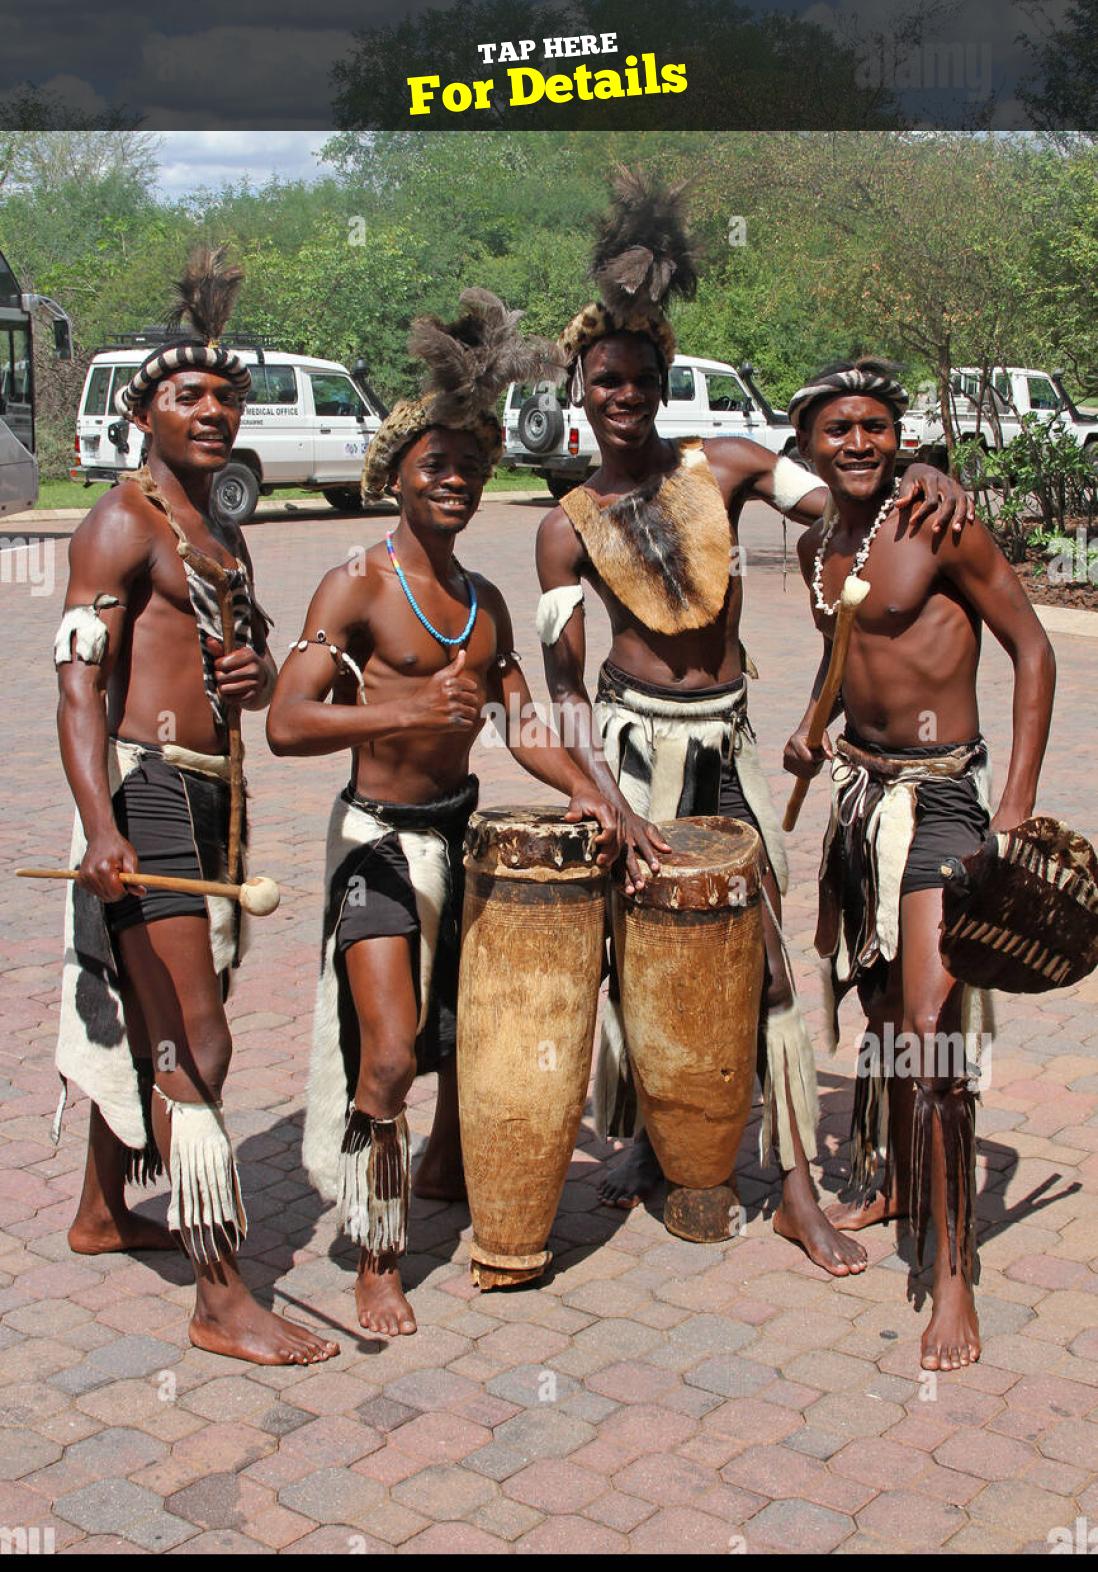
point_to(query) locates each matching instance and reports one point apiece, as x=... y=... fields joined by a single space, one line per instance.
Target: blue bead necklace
x=427 y=623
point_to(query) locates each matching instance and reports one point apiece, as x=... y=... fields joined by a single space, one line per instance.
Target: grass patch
x=74 y=494
x=516 y=480
x=69 y=494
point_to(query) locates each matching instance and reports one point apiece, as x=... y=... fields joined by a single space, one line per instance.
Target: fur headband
x=869 y=377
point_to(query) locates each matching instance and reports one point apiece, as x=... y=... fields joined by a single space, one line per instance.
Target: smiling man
x=145 y=690
x=653 y=531
x=409 y=648
x=910 y=781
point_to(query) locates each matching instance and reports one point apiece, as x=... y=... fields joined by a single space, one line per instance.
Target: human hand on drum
x=801 y=760
x=587 y=803
x=643 y=846
x=449 y=701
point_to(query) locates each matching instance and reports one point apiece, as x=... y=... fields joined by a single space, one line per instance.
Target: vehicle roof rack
x=149 y=337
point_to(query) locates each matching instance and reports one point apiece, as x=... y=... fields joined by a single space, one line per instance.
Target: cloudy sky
x=190 y=160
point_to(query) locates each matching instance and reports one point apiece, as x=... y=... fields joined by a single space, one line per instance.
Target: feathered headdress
x=205 y=295
x=467 y=364
x=642 y=257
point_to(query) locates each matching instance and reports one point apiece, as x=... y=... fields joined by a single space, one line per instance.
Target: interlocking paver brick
x=985 y=1454
x=445 y=1492
x=460 y=1539
x=506 y=1519
x=529 y=1385
x=689 y=1531
x=23 y=1452
x=334 y=1495
x=1018 y=1510
x=440 y=1437
x=730 y=1376
x=780 y=1473
x=555 y=1485
x=333 y=1439
x=1071 y=1441
x=752 y=1421
x=793 y=1525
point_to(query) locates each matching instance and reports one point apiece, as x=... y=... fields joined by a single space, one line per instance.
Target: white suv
x=546 y=435
x=307 y=425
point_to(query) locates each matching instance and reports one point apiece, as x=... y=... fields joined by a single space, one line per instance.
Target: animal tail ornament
x=372 y=1207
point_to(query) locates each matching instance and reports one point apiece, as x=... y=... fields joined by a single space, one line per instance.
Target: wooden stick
x=258 y=896
x=854 y=592
x=219 y=578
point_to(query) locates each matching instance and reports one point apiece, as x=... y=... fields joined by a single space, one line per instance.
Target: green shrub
x=1042 y=476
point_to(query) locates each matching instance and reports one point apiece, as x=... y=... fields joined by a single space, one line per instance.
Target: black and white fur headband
x=856 y=380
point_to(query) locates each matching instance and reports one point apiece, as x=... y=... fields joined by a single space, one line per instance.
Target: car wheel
x=540 y=423
x=235 y=493
x=345 y=499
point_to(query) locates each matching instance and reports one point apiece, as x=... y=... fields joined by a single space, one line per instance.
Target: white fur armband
x=791 y=483
x=554 y=609
x=83 y=634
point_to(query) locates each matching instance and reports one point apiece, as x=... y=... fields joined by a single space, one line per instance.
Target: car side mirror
x=748 y=406
x=62 y=339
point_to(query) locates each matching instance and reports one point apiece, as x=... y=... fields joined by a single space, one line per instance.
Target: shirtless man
x=145 y=690
x=909 y=789
x=652 y=531
x=410 y=648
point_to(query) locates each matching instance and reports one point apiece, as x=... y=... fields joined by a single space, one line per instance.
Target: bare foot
x=800 y=1220
x=380 y=1302
x=244 y=1330
x=129 y=1231
x=952 y=1337
x=634 y=1175
x=850 y=1216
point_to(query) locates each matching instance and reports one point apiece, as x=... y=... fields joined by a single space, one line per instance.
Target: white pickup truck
x=549 y=437
x=995 y=418
x=307 y=424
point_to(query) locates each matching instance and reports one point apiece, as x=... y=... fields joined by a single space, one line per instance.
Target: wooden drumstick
x=854 y=592
x=259 y=897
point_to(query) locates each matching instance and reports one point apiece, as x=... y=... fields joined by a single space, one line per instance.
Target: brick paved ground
x=648 y=1395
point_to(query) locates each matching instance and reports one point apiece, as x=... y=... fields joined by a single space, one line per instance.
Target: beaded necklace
x=860 y=558
x=427 y=623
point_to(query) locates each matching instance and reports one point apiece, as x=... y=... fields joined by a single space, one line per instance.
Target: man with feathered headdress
x=149 y=728
x=409 y=647
x=654 y=533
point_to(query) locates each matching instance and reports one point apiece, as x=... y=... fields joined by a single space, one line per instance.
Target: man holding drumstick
x=653 y=532
x=409 y=647
x=147 y=694
x=910 y=781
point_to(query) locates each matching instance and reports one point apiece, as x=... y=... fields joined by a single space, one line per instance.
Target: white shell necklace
x=832 y=518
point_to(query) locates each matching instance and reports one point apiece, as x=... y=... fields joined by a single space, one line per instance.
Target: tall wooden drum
x=691 y=958
x=531 y=956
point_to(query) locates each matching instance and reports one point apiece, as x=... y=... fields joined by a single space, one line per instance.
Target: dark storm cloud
x=270 y=64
